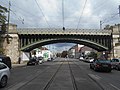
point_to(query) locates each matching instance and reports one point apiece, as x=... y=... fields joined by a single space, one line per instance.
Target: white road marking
x=18 y=86
x=95 y=76
x=114 y=86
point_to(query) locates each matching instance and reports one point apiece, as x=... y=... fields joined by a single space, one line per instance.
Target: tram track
x=46 y=87
x=29 y=79
x=54 y=77
x=102 y=88
x=73 y=78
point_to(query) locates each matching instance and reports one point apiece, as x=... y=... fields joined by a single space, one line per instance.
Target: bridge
x=26 y=39
x=31 y=38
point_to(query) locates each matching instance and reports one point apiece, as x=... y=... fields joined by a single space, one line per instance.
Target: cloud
x=60 y=46
x=51 y=13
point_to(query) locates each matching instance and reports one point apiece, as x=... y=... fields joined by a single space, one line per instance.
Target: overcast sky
x=77 y=13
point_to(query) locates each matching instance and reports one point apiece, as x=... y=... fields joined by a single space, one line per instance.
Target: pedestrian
x=19 y=60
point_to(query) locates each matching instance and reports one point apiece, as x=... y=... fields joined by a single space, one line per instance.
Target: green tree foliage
x=64 y=54
x=58 y=54
x=92 y=54
x=3 y=10
x=3 y=17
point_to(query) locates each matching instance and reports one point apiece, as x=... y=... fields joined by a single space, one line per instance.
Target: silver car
x=115 y=63
x=4 y=74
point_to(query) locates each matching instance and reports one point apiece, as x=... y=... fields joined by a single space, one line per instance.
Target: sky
x=84 y=14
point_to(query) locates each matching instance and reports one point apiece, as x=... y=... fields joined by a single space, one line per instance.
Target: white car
x=4 y=74
x=91 y=60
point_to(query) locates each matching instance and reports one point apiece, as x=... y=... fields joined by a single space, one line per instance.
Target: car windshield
x=118 y=60
x=32 y=59
x=104 y=61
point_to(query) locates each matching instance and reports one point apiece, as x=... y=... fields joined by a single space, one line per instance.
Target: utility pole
x=119 y=25
x=119 y=11
x=8 y=23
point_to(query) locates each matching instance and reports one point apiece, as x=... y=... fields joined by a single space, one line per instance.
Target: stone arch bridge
x=26 y=39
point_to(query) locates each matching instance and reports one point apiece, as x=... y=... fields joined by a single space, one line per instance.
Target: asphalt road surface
x=62 y=74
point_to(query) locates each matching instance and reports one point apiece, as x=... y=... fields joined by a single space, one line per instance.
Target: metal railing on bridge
x=60 y=31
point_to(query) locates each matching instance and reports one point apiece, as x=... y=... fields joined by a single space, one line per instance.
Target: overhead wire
x=81 y=13
x=106 y=20
x=63 y=13
x=23 y=10
x=57 y=11
x=42 y=13
x=20 y=18
x=100 y=5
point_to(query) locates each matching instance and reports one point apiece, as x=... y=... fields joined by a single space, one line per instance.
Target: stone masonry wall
x=12 y=49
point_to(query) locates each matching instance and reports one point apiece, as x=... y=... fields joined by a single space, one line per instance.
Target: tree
x=92 y=54
x=64 y=54
x=108 y=27
x=3 y=19
x=3 y=11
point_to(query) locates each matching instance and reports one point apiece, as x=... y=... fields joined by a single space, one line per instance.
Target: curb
x=18 y=65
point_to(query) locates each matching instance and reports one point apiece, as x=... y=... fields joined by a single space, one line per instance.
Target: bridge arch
x=88 y=43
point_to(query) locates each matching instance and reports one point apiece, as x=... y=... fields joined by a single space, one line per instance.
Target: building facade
x=116 y=41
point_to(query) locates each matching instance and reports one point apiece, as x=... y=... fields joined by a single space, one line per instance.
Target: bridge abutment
x=11 y=44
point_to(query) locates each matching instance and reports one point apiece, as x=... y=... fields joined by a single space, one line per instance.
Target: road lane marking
x=96 y=79
x=95 y=76
x=16 y=86
x=114 y=86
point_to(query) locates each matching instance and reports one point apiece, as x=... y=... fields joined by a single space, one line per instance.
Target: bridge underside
x=88 y=43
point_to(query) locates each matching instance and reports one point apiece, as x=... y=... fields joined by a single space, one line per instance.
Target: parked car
x=101 y=65
x=81 y=58
x=89 y=59
x=4 y=74
x=115 y=63
x=49 y=59
x=33 y=61
x=6 y=60
x=40 y=59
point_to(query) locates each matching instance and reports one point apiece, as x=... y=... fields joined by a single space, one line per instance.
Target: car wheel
x=95 y=69
x=109 y=70
x=90 y=67
x=3 y=81
x=117 y=68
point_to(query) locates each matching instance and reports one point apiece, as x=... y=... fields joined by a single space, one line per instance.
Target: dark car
x=33 y=61
x=101 y=65
x=6 y=60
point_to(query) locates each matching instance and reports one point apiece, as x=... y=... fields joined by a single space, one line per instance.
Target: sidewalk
x=18 y=65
